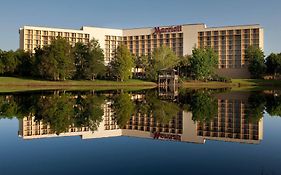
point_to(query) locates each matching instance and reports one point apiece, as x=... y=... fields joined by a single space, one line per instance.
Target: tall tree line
x=260 y=66
x=57 y=61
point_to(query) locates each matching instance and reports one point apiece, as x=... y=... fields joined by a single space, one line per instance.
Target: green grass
x=11 y=84
x=256 y=82
x=210 y=84
x=236 y=84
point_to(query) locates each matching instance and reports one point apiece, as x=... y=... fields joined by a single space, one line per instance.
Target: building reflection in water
x=230 y=125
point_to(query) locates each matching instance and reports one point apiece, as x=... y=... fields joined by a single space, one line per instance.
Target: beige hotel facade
x=230 y=42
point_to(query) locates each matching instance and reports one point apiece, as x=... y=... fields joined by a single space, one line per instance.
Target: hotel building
x=229 y=42
x=229 y=125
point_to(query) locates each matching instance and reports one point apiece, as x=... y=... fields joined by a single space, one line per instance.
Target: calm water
x=145 y=132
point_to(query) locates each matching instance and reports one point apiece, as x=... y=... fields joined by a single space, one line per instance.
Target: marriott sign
x=158 y=30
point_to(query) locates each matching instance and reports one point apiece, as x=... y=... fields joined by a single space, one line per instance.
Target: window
x=255 y=31
x=238 y=32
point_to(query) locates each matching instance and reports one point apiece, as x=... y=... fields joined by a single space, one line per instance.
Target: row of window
x=55 y=33
x=178 y=131
x=148 y=37
x=230 y=32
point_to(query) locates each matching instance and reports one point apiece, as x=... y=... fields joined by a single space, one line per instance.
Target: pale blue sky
x=129 y=13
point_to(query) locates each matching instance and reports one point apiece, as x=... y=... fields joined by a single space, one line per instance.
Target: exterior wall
x=234 y=72
x=143 y=41
x=261 y=39
x=190 y=37
x=230 y=42
x=32 y=37
x=108 y=39
x=21 y=43
x=31 y=129
x=190 y=129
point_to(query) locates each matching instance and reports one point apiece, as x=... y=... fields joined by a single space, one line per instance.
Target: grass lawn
x=257 y=82
x=236 y=84
x=202 y=84
x=10 y=84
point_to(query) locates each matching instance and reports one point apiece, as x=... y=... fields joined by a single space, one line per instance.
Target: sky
x=143 y=13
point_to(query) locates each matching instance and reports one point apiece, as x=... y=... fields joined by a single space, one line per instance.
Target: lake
x=214 y=131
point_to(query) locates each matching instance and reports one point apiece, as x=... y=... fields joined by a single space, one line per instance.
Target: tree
x=273 y=105
x=26 y=63
x=96 y=60
x=124 y=108
x=88 y=111
x=256 y=65
x=81 y=56
x=204 y=107
x=256 y=107
x=163 y=111
x=184 y=66
x=57 y=111
x=8 y=107
x=162 y=58
x=273 y=64
x=55 y=62
x=2 y=66
x=203 y=63
x=122 y=63
x=8 y=62
x=141 y=64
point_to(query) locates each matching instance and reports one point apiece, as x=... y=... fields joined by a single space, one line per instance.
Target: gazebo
x=168 y=80
x=168 y=77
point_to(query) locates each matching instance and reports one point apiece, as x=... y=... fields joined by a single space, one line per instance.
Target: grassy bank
x=235 y=84
x=209 y=84
x=256 y=82
x=10 y=84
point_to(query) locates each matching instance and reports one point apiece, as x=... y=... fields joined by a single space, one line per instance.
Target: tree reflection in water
x=124 y=108
x=64 y=110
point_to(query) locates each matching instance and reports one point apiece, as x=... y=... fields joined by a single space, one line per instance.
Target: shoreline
x=13 y=84
x=236 y=84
